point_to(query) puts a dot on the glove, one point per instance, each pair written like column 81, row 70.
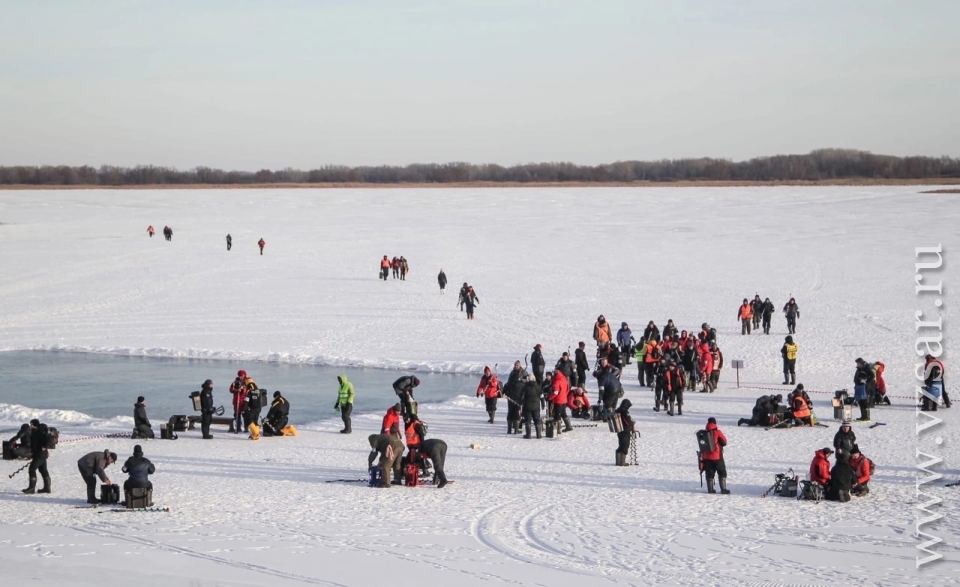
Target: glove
column 336, row 406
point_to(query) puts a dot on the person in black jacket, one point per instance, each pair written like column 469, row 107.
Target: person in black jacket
column 792, row 312
column 611, row 390
column 206, row 408
column 670, row 330
column 650, row 331
column 253, row 404
column 513, row 390
column 435, row 450
column 766, row 313
column 141, row 424
column 229, row 242
column 842, row 478
column 756, row 305
column 536, row 360
column 442, row 280
column 566, row 366
column 582, row 364
column 845, row 439
column 530, row 396
column 404, row 387
column 277, row 417
column 138, row 468
column 625, row 435
column 39, row 454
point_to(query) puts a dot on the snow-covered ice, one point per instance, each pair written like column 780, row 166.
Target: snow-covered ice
column 79, row 273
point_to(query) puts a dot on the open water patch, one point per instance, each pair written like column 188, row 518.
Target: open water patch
column 106, row 386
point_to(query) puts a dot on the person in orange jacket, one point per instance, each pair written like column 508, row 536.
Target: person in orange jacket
column 489, row 388
column 713, row 459
column 861, row 468
column 578, row 403
column 262, row 243
column 601, row 331
column 150, row 230
column 820, row 467
column 744, row 315
column 650, row 360
column 385, row 268
column 801, row 410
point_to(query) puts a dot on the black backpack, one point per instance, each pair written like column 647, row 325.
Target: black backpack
column 706, row 441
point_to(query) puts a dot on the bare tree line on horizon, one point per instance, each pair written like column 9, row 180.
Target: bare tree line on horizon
column 823, row 164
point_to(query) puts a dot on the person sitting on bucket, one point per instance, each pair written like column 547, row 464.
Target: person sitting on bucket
column 138, row 468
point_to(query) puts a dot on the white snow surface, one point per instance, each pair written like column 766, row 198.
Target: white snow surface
column 80, row 274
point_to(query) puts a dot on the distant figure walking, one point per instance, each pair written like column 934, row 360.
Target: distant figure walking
column 404, row 268
column 150, row 230
column 168, row 233
column 442, row 280
column 229, row 242
column 471, row 301
column 262, row 243
column 792, row 311
column 384, row 268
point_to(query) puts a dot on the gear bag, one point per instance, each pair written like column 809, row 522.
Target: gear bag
column 811, row 491
column 706, row 441
column 411, row 475
column 53, row 437
column 789, row 488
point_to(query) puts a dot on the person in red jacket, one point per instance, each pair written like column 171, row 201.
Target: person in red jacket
column 861, row 468
column 239, row 391
column 820, row 467
column 706, row 368
column 558, row 397
column 713, row 460
column 578, row 403
column 150, row 230
column 391, row 421
column 262, row 243
column 489, row 388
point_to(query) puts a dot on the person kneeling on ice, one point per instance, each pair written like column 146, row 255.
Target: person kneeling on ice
column 713, row 463
column 578, row 403
column 862, row 470
column 391, row 421
column 624, row 436
column 93, row 465
column 765, row 406
column 800, row 406
column 138, row 468
column 276, row 420
column 842, row 479
column 390, row 450
column 141, row 424
column 820, row 466
column 435, row 450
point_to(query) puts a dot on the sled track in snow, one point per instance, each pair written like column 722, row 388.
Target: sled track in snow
column 100, row 531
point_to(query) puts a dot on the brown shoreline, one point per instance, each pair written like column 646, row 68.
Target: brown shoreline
column 490, row 184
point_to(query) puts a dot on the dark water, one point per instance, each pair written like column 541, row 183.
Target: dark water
column 105, row 386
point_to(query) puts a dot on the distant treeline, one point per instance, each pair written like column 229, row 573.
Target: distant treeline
column 820, row 165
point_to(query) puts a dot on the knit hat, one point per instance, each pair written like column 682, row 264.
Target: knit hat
column 711, row 420
column 137, row 451
column 276, row 394
column 242, row 374
column 140, row 400
column 845, row 423
column 855, row 450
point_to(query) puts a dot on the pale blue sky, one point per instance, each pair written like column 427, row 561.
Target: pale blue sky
column 244, row 84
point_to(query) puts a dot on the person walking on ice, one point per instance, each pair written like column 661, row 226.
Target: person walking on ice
column 150, row 231
column 229, row 241
column 442, row 280
column 261, row 243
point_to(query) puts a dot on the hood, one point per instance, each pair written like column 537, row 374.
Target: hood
column 822, row 455
column 342, row 379
column 711, row 426
column 372, row 439
column 625, row 405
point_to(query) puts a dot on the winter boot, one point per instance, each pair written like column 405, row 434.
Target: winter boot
column 886, row 401
column 32, row 488
column 723, row 486
column 679, row 409
column 46, row 484
column 670, row 409
column 656, row 407
column 509, row 426
column 864, row 411
column 490, row 413
column 621, row 459
column 526, row 430
column 793, row 379
column 786, row 378
column 516, row 427
column 567, row 427
column 710, row 486
column 539, row 427
column 742, row 421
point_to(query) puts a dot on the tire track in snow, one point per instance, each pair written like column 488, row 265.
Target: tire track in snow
column 100, row 531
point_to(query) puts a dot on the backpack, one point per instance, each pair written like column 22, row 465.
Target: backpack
column 411, row 475
column 53, row 437
column 810, row 491
column 706, row 441
column 870, row 465
column 425, row 428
